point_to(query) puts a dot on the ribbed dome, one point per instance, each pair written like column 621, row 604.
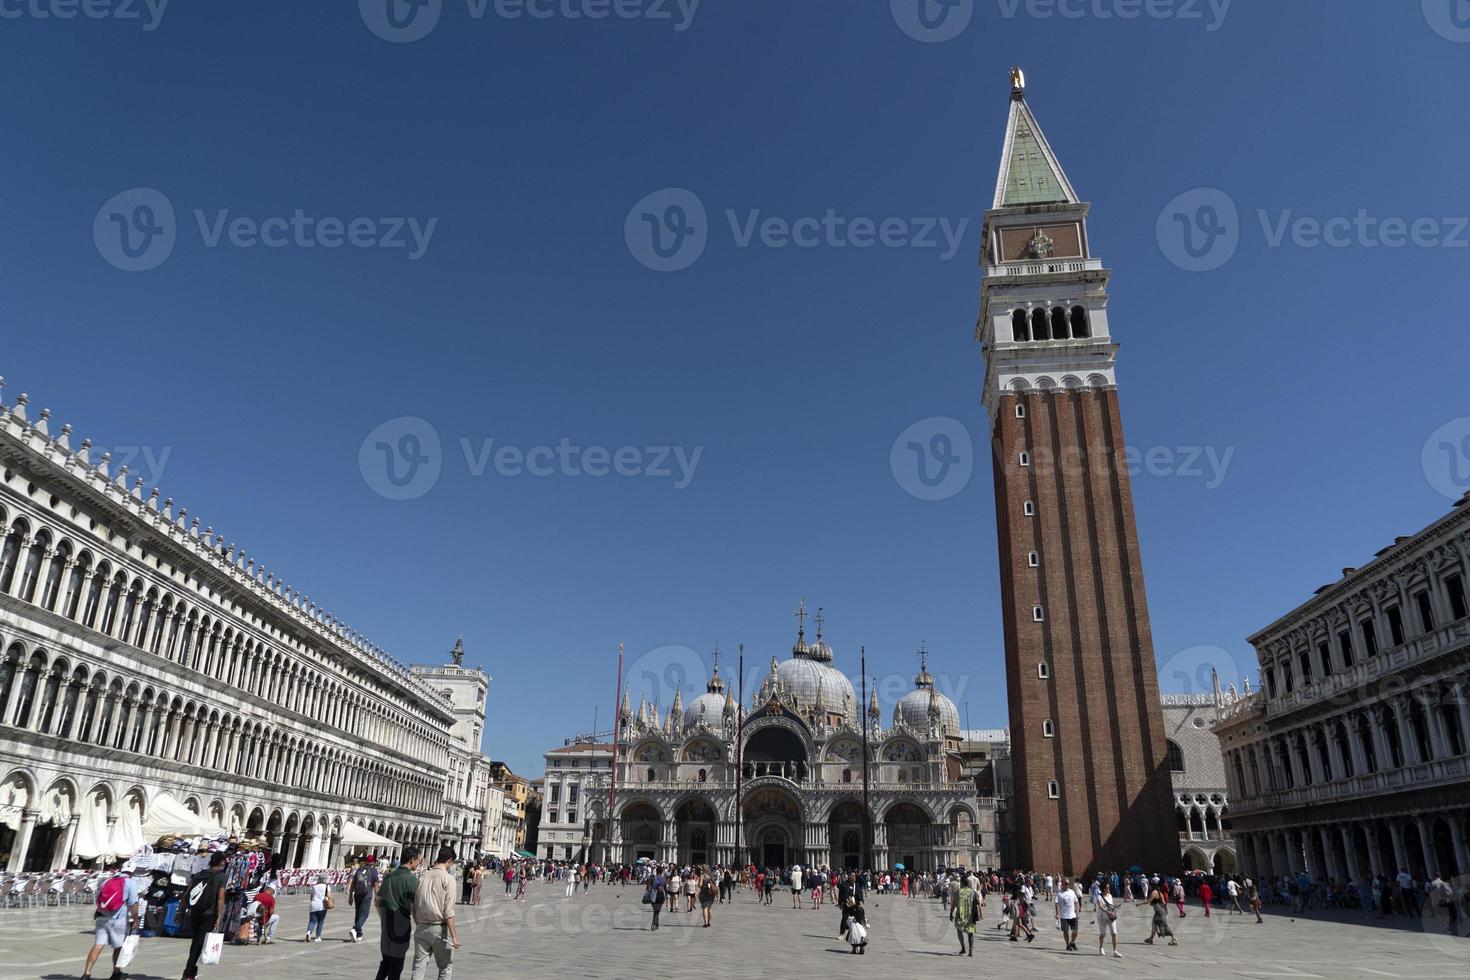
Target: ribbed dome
column 709, row 708
column 804, row 677
column 913, row 710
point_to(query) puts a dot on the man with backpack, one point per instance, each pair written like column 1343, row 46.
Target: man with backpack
column 364, row 890
column 115, row 916
column 206, row 904
column 654, row 895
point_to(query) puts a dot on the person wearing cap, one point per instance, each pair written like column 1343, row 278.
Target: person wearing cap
column 112, row 922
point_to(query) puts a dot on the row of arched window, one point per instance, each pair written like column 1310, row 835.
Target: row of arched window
column 1056, row 323
column 76, row 702
column 68, row 580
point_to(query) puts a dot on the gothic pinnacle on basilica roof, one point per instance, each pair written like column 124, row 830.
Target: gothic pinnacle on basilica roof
column 800, row 649
column 923, row 678
column 715, row 685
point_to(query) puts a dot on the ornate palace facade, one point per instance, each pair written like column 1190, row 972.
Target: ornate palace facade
column 801, row 799
column 1354, row 757
column 141, row 655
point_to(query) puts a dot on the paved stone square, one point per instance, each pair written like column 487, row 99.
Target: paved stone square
column 604, row 933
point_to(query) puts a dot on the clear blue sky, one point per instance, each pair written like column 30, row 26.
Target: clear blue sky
column 528, row 319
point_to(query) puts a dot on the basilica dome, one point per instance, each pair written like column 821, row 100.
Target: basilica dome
column 709, row 707
column 809, row 679
column 913, row 708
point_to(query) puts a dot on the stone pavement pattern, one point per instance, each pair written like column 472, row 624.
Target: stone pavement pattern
column 604, row 934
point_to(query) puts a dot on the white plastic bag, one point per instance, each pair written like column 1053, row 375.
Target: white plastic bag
column 128, row 951
column 214, row 944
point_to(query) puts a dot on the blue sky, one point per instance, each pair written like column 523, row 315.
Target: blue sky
column 520, row 145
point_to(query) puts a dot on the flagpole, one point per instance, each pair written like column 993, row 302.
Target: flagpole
column 867, row 811
column 612, row 792
column 739, row 748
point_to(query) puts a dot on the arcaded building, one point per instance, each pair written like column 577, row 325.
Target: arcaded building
column 1353, row 757
column 143, row 655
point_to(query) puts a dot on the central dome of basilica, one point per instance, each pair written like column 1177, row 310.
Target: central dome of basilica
column 810, row 679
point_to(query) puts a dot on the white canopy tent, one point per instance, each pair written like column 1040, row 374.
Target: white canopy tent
column 354, row 835
column 167, row 815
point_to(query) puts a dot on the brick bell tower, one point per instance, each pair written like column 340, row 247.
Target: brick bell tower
column 1092, row 787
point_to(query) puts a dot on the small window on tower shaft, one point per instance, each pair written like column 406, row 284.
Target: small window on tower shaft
column 1020, row 410
column 1038, row 614
column 1048, row 729
column 1029, row 509
column 1033, row 559
column 1025, row 459
column 1043, row 670
column 1053, row 791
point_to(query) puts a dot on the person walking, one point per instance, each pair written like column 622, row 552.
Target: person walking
column 395, row 915
column 206, row 903
column 654, row 896
column 1066, row 903
column 320, row 904
column 479, row 883
column 690, row 883
column 510, row 876
column 364, row 890
column 1206, row 893
column 115, row 916
column 707, row 895
column 1160, row 925
column 857, row 928
column 796, row 886
column 435, row 937
column 1232, row 891
column 1178, row 896
column 1107, row 921
column 966, row 913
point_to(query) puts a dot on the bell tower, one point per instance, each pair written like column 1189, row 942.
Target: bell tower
column 1092, row 786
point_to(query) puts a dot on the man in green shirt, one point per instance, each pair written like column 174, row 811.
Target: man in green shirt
column 395, row 913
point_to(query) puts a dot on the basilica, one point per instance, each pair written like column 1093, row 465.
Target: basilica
column 798, row 752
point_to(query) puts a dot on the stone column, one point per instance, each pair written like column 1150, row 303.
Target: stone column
column 1462, row 852
column 67, row 842
column 1462, row 704
column 22, row 843
column 1349, row 854
column 1329, row 854
column 1314, row 758
column 1406, row 733
column 1375, row 863
column 1400, row 856
column 1380, row 740
column 1339, row 767
column 1426, row 845
column 1432, row 723
column 1355, row 749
